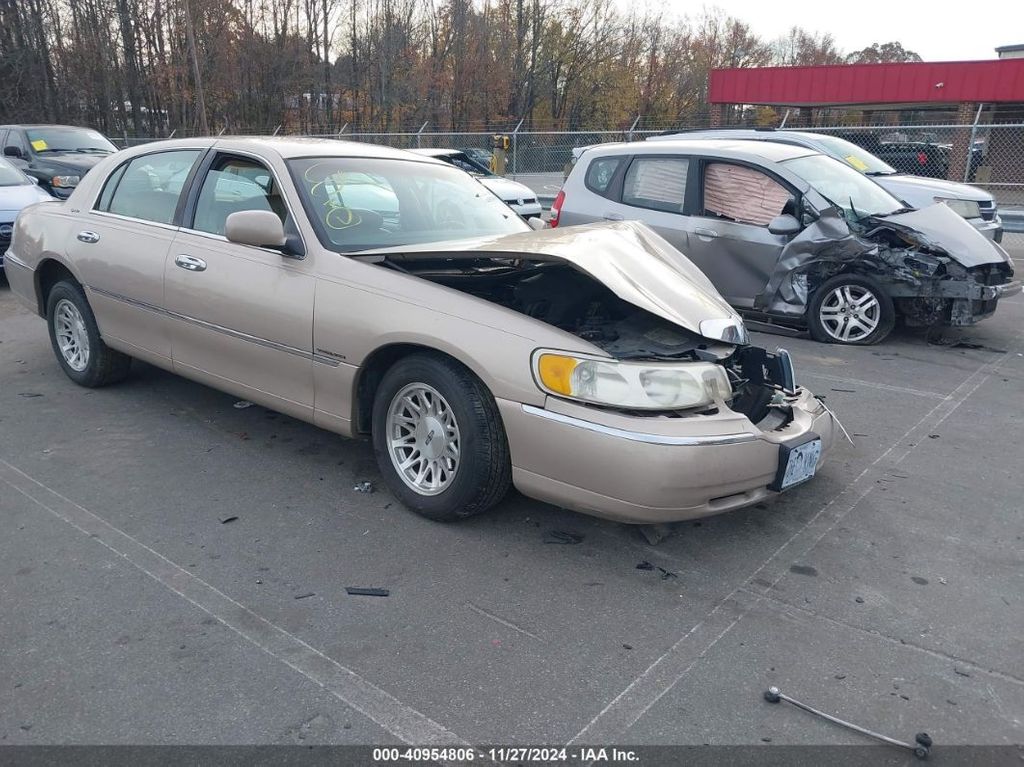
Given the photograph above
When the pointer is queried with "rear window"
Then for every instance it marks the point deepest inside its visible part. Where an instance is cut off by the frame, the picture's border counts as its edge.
(658, 183)
(601, 172)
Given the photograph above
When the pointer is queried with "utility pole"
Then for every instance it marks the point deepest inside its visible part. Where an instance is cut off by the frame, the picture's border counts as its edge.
(190, 34)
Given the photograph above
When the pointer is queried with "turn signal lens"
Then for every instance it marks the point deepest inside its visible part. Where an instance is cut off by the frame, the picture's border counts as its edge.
(555, 372)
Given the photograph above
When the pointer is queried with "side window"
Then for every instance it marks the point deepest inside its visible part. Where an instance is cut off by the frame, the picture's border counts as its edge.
(144, 188)
(235, 184)
(658, 183)
(600, 173)
(744, 195)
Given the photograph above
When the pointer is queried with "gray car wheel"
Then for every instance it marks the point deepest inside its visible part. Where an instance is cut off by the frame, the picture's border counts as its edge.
(850, 309)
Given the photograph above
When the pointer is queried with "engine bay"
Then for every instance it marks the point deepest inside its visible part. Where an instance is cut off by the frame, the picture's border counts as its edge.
(561, 296)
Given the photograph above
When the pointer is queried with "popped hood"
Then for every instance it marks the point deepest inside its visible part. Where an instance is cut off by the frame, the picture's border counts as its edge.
(939, 228)
(627, 257)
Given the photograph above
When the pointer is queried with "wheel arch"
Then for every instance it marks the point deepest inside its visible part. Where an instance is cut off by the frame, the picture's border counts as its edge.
(382, 359)
(49, 271)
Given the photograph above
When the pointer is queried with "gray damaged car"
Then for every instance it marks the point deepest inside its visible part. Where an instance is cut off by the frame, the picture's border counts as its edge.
(794, 236)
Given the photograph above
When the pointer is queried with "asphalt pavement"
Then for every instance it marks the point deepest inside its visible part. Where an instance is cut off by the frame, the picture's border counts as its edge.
(888, 591)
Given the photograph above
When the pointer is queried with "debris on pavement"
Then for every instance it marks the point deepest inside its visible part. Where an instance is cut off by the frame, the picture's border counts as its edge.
(920, 747)
(229, 518)
(655, 534)
(562, 538)
(29, 394)
(305, 595)
(645, 565)
(363, 592)
(667, 574)
(242, 404)
(365, 486)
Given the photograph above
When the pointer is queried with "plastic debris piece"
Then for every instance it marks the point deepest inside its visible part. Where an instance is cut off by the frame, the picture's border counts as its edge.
(305, 595)
(242, 404)
(645, 565)
(230, 518)
(562, 538)
(365, 486)
(362, 592)
(29, 394)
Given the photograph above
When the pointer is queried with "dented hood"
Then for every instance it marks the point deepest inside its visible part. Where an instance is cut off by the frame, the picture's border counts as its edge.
(939, 228)
(627, 257)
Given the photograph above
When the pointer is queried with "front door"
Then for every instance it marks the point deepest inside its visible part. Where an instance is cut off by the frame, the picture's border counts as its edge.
(241, 316)
(728, 237)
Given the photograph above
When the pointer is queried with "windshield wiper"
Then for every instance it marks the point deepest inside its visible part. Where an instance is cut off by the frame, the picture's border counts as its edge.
(92, 149)
(880, 173)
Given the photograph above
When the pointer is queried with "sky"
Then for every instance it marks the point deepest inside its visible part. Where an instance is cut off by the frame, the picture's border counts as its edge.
(929, 27)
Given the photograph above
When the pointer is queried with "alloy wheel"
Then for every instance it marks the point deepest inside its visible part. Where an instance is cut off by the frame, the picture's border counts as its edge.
(850, 313)
(423, 439)
(72, 335)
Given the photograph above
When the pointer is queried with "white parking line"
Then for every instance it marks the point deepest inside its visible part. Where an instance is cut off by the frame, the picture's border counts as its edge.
(402, 721)
(623, 711)
(804, 373)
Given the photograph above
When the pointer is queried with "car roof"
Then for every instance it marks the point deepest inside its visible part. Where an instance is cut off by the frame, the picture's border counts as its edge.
(437, 152)
(736, 149)
(286, 147)
(46, 125)
(763, 134)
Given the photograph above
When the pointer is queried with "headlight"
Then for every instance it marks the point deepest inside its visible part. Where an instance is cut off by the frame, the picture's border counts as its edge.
(634, 385)
(965, 208)
(65, 181)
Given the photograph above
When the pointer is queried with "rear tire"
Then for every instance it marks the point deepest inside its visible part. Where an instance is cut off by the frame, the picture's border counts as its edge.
(850, 309)
(76, 340)
(438, 438)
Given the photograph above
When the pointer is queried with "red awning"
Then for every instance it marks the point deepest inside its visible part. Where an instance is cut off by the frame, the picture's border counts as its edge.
(925, 83)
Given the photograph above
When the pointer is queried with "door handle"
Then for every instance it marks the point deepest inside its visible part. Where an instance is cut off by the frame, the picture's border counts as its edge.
(612, 216)
(191, 263)
(702, 232)
(88, 236)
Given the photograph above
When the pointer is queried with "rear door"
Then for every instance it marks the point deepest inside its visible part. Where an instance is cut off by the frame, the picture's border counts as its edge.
(727, 229)
(120, 244)
(649, 188)
(241, 316)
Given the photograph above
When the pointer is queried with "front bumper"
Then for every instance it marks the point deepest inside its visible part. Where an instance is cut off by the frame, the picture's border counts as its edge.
(643, 470)
(992, 230)
(527, 210)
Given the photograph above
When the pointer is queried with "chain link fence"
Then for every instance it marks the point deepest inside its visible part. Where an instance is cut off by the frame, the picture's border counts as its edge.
(989, 156)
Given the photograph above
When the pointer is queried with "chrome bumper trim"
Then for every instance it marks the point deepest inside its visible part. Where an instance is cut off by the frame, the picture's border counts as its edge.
(636, 436)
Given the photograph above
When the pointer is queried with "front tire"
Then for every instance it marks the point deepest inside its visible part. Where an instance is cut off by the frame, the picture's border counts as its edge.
(439, 440)
(850, 309)
(76, 340)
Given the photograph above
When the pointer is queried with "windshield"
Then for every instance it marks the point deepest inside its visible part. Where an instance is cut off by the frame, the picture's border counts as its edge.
(53, 139)
(466, 163)
(361, 204)
(856, 194)
(11, 176)
(856, 157)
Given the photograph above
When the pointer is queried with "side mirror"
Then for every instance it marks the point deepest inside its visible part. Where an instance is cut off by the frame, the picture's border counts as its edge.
(785, 225)
(261, 228)
(537, 223)
(12, 151)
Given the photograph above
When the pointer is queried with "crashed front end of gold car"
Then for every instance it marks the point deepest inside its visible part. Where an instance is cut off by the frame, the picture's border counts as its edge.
(660, 410)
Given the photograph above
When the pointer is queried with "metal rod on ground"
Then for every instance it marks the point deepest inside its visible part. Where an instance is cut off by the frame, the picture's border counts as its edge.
(921, 745)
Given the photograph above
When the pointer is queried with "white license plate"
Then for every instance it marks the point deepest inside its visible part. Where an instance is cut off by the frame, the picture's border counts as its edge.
(801, 463)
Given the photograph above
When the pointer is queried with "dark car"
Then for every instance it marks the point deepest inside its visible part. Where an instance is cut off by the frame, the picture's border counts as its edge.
(57, 155)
